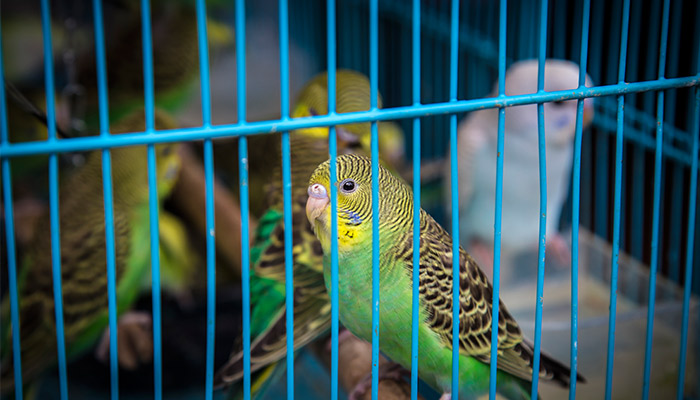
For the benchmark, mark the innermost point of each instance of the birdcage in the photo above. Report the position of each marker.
(623, 312)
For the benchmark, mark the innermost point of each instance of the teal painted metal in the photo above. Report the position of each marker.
(415, 310)
(617, 206)
(54, 203)
(456, 287)
(485, 40)
(495, 301)
(543, 200)
(576, 198)
(657, 205)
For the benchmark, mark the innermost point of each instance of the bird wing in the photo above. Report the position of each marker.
(515, 356)
(311, 302)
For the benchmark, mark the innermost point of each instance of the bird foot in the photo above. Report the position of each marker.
(387, 371)
(134, 340)
(343, 335)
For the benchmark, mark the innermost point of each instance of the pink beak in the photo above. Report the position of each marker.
(317, 202)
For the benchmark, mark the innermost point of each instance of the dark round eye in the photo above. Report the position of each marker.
(558, 103)
(348, 186)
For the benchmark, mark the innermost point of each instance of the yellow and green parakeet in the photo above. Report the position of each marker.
(309, 147)
(83, 254)
(435, 290)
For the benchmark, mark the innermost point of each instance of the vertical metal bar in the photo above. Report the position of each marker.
(597, 41)
(211, 264)
(694, 63)
(543, 199)
(454, 58)
(147, 43)
(692, 201)
(203, 45)
(53, 199)
(635, 228)
(617, 200)
(696, 274)
(11, 262)
(245, 259)
(243, 190)
(10, 237)
(576, 199)
(415, 310)
(100, 57)
(499, 197)
(287, 193)
(374, 140)
(674, 40)
(602, 162)
(149, 104)
(107, 188)
(333, 153)
(653, 265)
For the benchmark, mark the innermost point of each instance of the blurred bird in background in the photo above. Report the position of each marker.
(83, 255)
(476, 157)
(175, 67)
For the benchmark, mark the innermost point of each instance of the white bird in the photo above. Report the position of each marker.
(477, 152)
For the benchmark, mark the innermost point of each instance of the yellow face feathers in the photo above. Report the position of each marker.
(354, 185)
(352, 95)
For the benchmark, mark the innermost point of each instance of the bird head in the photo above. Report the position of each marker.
(352, 95)
(559, 116)
(354, 197)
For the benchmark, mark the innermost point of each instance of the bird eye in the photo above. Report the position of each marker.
(558, 103)
(348, 186)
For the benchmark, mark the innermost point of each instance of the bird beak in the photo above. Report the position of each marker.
(317, 202)
(346, 138)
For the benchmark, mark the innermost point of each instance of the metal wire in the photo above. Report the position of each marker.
(576, 198)
(543, 200)
(53, 203)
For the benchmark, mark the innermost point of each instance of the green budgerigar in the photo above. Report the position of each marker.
(515, 353)
(83, 253)
(309, 147)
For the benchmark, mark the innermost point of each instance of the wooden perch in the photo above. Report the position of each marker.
(188, 196)
(355, 359)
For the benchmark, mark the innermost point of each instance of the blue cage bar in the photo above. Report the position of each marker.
(649, 115)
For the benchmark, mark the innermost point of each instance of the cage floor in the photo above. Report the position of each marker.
(594, 300)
